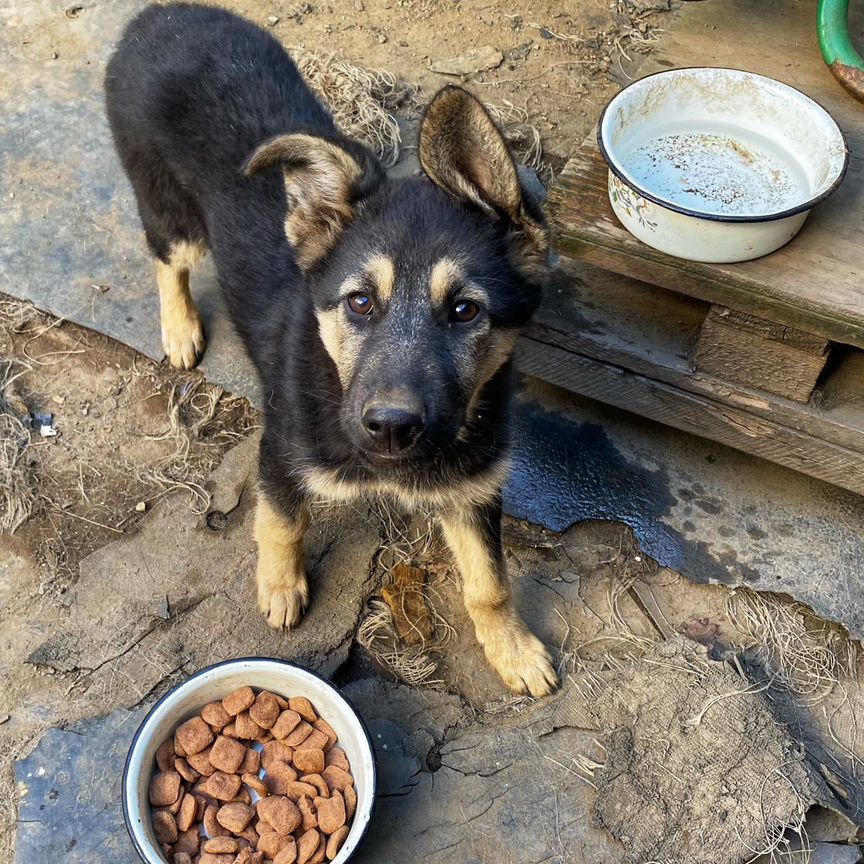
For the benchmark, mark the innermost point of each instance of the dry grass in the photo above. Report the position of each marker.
(363, 101)
(203, 422)
(19, 486)
(368, 104)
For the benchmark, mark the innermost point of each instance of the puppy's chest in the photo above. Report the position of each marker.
(332, 484)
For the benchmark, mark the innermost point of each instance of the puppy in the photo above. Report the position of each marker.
(381, 315)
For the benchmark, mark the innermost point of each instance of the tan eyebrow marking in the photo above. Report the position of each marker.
(444, 274)
(383, 271)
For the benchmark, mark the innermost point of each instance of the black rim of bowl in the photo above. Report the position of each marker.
(126, 816)
(719, 217)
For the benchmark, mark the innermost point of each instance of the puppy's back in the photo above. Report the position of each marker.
(202, 88)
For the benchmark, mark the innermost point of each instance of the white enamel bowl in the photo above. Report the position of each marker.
(214, 683)
(718, 165)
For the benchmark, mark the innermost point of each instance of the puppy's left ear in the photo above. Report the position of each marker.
(324, 180)
(464, 152)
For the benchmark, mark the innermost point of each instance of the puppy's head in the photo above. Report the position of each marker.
(420, 286)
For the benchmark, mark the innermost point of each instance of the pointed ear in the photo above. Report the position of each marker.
(324, 180)
(464, 152)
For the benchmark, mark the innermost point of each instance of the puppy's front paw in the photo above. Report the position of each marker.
(283, 605)
(183, 338)
(518, 656)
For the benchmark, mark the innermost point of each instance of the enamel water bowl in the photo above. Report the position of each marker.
(718, 165)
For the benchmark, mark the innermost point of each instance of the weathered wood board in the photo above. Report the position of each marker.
(815, 283)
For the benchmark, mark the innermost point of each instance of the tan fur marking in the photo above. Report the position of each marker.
(182, 333)
(515, 653)
(445, 274)
(283, 591)
(383, 271)
(338, 342)
(327, 485)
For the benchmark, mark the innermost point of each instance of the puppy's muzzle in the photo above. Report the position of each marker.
(393, 421)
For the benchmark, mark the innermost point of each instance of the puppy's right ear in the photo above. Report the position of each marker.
(324, 180)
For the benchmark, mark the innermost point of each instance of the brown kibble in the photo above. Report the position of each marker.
(243, 856)
(323, 726)
(288, 853)
(337, 756)
(308, 761)
(174, 808)
(221, 845)
(178, 748)
(265, 736)
(285, 724)
(320, 852)
(182, 858)
(307, 845)
(201, 762)
(281, 701)
(164, 788)
(297, 789)
(221, 786)
(335, 841)
(272, 843)
(230, 731)
(350, 797)
(211, 823)
(194, 735)
(337, 778)
(316, 740)
(257, 858)
(216, 858)
(279, 778)
(165, 827)
(299, 735)
(256, 784)
(185, 770)
(235, 816)
(281, 813)
(238, 700)
(331, 812)
(165, 755)
(275, 751)
(201, 803)
(227, 755)
(303, 707)
(246, 726)
(215, 715)
(307, 811)
(251, 763)
(242, 797)
(187, 812)
(318, 782)
(188, 842)
(265, 710)
(250, 835)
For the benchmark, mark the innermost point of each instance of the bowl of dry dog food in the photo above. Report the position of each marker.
(249, 761)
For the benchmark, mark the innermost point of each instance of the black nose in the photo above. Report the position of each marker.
(392, 427)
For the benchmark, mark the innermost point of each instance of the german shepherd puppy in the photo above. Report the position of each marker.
(381, 315)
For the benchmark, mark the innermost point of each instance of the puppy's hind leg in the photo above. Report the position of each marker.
(283, 591)
(473, 533)
(182, 332)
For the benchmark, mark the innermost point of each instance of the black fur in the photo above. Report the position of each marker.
(191, 92)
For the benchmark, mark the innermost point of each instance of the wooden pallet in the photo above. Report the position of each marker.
(764, 356)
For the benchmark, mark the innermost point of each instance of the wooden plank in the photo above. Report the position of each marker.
(650, 331)
(760, 354)
(691, 413)
(812, 284)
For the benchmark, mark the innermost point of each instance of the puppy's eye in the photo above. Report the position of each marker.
(360, 304)
(464, 311)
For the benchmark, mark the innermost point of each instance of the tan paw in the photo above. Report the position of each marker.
(183, 339)
(520, 658)
(283, 605)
